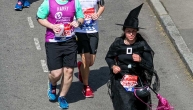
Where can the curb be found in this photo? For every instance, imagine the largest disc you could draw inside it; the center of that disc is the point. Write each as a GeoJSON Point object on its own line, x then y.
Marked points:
{"type": "Point", "coordinates": [173, 33]}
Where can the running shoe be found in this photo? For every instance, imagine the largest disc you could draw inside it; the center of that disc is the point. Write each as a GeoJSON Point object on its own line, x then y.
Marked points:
{"type": "Point", "coordinates": [19, 5]}
{"type": "Point", "coordinates": [26, 4]}
{"type": "Point", "coordinates": [51, 92]}
{"type": "Point", "coordinates": [87, 92]}
{"type": "Point", "coordinates": [79, 73]}
{"type": "Point", "coordinates": [62, 102]}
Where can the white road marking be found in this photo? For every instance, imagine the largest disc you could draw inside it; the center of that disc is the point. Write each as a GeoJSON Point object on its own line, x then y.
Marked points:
{"type": "Point", "coordinates": [44, 66]}
{"type": "Point", "coordinates": [31, 25]}
{"type": "Point", "coordinates": [37, 44]}
{"type": "Point", "coordinates": [38, 47]}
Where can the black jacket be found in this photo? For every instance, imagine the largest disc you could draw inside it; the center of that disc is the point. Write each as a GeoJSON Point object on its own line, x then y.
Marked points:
{"type": "Point", "coordinates": [121, 54]}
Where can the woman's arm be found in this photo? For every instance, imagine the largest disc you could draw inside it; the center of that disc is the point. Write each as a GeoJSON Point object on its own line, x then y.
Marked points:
{"type": "Point", "coordinates": [147, 61]}
{"type": "Point", "coordinates": [111, 59]}
{"type": "Point", "coordinates": [79, 13]}
{"type": "Point", "coordinates": [101, 9]}
{"type": "Point", "coordinates": [112, 54]}
{"type": "Point", "coordinates": [147, 58]}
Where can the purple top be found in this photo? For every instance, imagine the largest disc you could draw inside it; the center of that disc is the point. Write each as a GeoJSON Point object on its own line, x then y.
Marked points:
{"type": "Point", "coordinates": [61, 14]}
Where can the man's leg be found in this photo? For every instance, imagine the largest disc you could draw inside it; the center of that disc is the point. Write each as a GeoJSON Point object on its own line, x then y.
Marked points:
{"type": "Point", "coordinates": [92, 59]}
{"type": "Point", "coordinates": [84, 68]}
{"type": "Point", "coordinates": [65, 85]}
{"type": "Point", "coordinates": [84, 51]}
{"type": "Point", "coordinates": [54, 77]}
{"type": "Point", "coordinates": [66, 80]}
{"type": "Point", "coordinates": [88, 60]}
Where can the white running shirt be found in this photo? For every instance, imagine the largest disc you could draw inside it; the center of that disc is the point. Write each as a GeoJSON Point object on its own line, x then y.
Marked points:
{"type": "Point", "coordinates": [89, 26]}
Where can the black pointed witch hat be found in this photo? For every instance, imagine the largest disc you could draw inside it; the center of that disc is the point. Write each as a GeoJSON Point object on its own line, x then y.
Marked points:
{"type": "Point", "coordinates": [132, 19]}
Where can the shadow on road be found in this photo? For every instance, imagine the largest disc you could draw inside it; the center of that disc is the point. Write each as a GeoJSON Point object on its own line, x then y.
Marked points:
{"type": "Point", "coordinates": [31, 1]}
{"type": "Point", "coordinates": [97, 79]}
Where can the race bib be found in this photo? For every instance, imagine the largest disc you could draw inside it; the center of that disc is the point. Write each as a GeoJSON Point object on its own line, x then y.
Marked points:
{"type": "Point", "coordinates": [129, 82]}
{"type": "Point", "coordinates": [88, 13]}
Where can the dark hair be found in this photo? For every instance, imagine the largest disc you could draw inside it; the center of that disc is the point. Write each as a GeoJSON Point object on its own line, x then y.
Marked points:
{"type": "Point", "coordinates": [123, 34]}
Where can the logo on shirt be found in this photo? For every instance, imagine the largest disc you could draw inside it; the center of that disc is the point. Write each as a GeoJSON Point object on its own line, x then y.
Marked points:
{"type": "Point", "coordinates": [58, 15]}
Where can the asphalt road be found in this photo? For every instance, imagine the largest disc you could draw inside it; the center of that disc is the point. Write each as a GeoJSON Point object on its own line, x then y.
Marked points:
{"type": "Point", "coordinates": [23, 74]}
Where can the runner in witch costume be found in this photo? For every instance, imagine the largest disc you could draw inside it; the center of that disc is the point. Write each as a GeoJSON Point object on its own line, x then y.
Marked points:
{"type": "Point", "coordinates": [129, 57]}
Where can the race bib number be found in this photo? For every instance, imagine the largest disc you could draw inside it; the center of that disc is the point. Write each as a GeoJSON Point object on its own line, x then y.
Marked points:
{"type": "Point", "coordinates": [88, 13]}
{"type": "Point", "coordinates": [129, 82]}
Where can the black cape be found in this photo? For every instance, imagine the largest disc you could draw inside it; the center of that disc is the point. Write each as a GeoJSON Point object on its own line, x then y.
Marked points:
{"type": "Point", "coordinates": [120, 55]}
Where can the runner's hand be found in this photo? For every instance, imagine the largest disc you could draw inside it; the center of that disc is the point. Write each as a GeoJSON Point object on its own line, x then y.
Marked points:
{"type": "Point", "coordinates": [56, 28]}
{"type": "Point", "coordinates": [74, 24]}
{"type": "Point", "coordinates": [136, 58]}
{"type": "Point", "coordinates": [95, 16]}
{"type": "Point", "coordinates": [116, 69]}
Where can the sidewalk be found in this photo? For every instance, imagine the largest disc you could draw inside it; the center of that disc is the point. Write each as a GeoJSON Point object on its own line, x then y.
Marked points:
{"type": "Point", "coordinates": [177, 22]}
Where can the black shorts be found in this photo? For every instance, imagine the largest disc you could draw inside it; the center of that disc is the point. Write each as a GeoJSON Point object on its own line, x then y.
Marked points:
{"type": "Point", "coordinates": [87, 42]}
{"type": "Point", "coordinates": [61, 54]}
